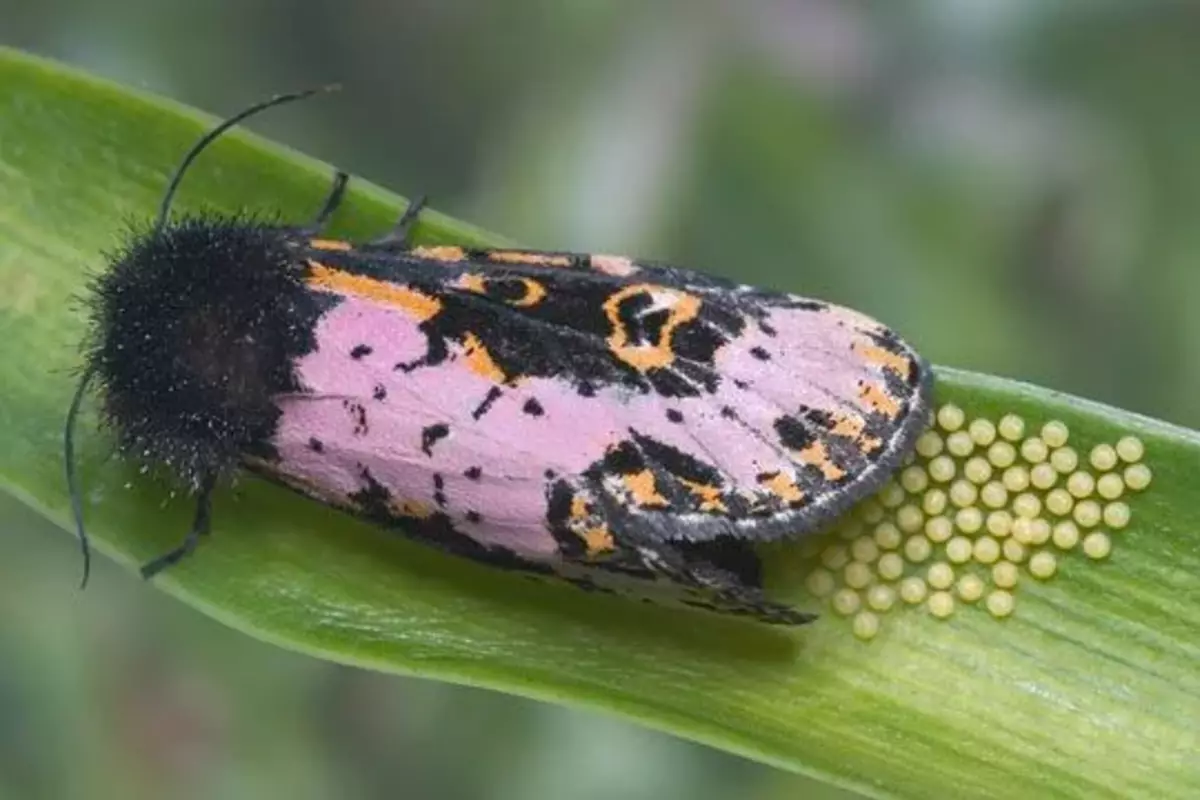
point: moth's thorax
(196, 326)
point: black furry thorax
(194, 329)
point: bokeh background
(1014, 184)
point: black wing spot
(431, 434)
(316, 445)
(485, 406)
(533, 408)
(674, 415)
(473, 473)
(741, 384)
(760, 354)
(767, 329)
(474, 516)
(361, 350)
(439, 493)
(358, 412)
(380, 392)
(793, 434)
(549, 474)
(727, 412)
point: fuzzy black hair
(195, 327)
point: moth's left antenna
(72, 478)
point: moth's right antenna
(208, 138)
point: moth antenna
(72, 478)
(208, 138)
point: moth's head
(195, 326)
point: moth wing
(701, 408)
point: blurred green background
(1014, 184)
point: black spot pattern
(431, 435)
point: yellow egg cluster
(980, 506)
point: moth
(623, 425)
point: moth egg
(865, 625)
(909, 518)
(999, 523)
(977, 470)
(1000, 603)
(939, 529)
(1064, 460)
(1040, 531)
(1087, 513)
(1059, 502)
(942, 469)
(913, 590)
(1116, 515)
(993, 495)
(864, 549)
(857, 575)
(914, 480)
(1137, 477)
(933, 502)
(982, 432)
(1014, 551)
(1065, 535)
(1015, 479)
(820, 583)
(950, 417)
(891, 495)
(959, 444)
(835, 557)
(881, 598)
(890, 566)
(1081, 484)
(1002, 455)
(959, 550)
(969, 520)
(1110, 486)
(1055, 433)
(887, 536)
(1034, 450)
(918, 549)
(1097, 545)
(1011, 427)
(969, 588)
(1043, 565)
(851, 529)
(871, 512)
(940, 575)
(963, 493)
(941, 604)
(1022, 530)
(1043, 476)
(1103, 457)
(846, 602)
(1027, 505)
(929, 444)
(1005, 575)
(986, 550)
(1130, 449)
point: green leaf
(1090, 689)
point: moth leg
(400, 237)
(200, 527)
(337, 193)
